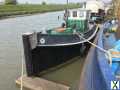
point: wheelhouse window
(74, 13)
(81, 14)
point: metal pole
(67, 1)
(66, 11)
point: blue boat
(99, 72)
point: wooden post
(116, 7)
(118, 32)
(27, 53)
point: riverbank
(17, 10)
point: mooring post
(118, 31)
(27, 54)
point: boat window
(81, 14)
(74, 13)
(88, 15)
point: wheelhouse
(78, 19)
(75, 21)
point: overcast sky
(50, 1)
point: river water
(11, 49)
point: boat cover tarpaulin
(115, 52)
(97, 74)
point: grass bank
(13, 10)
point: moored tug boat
(47, 49)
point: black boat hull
(54, 51)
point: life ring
(42, 41)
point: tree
(13, 2)
(44, 3)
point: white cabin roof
(82, 14)
(94, 5)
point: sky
(50, 1)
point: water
(11, 44)
(69, 74)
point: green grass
(10, 10)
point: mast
(67, 2)
(66, 11)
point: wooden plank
(36, 83)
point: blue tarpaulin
(116, 58)
(97, 73)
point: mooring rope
(103, 50)
(22, 72)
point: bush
(10, 2)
